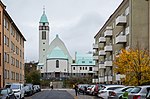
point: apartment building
(11, 50)
(128, 27)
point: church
(55, 62)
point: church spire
(43, 17)
(43, 9)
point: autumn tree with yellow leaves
(135, 65)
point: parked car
(148, 93)
(117, 93)
(36, 88)
(18, 89)
(104, 92)
(138, 92)
(83, 88)
(97, 88)
(7, 93)
(90, 89)
(29, 89)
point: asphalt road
(58, 94)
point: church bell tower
(43, 36)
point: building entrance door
(57, 74)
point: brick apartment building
(11, 49)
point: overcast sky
(75, 21)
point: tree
(33, 77)
(135, 65)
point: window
(44, 35)
(73, 68)
(57, 63)
(83, 61)
(80, 68)
(85, 68)
(90, 68)
(90, 61)
(41, 67)
(43, 49)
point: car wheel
(120, 97)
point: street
(59, 94)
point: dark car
(7, 93)
(29, 89)
(82, 88)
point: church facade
(54, 58)
(55, 62)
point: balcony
(102, 53)
(101, 66)
(95, 46)
(108, 33)
(108, 48)
(121, 20)
(108, 63)
(108, 78)
(121, 39)
(102, 39)
(95, 57)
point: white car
(90, 89)
(18, 90)
(104, 92)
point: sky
(75, 21)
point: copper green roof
(57, 53)
(43, 18)
(84, 59)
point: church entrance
(57, 74)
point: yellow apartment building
(128, 27)
(11, 50)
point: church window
(73, 68)
(41, 67)
(44, 35)
(47, 28)
(57, 63)
(90, 68)
(83, 61)
(90, 61)
(85, 68)
(80, 68)
(43, 27)
(43, 24)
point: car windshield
(136, 90)
(3, 91)
(14, 87)
(129, 89)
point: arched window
(57, 63)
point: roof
(57, 53)
(43, 18)
(84, 59)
